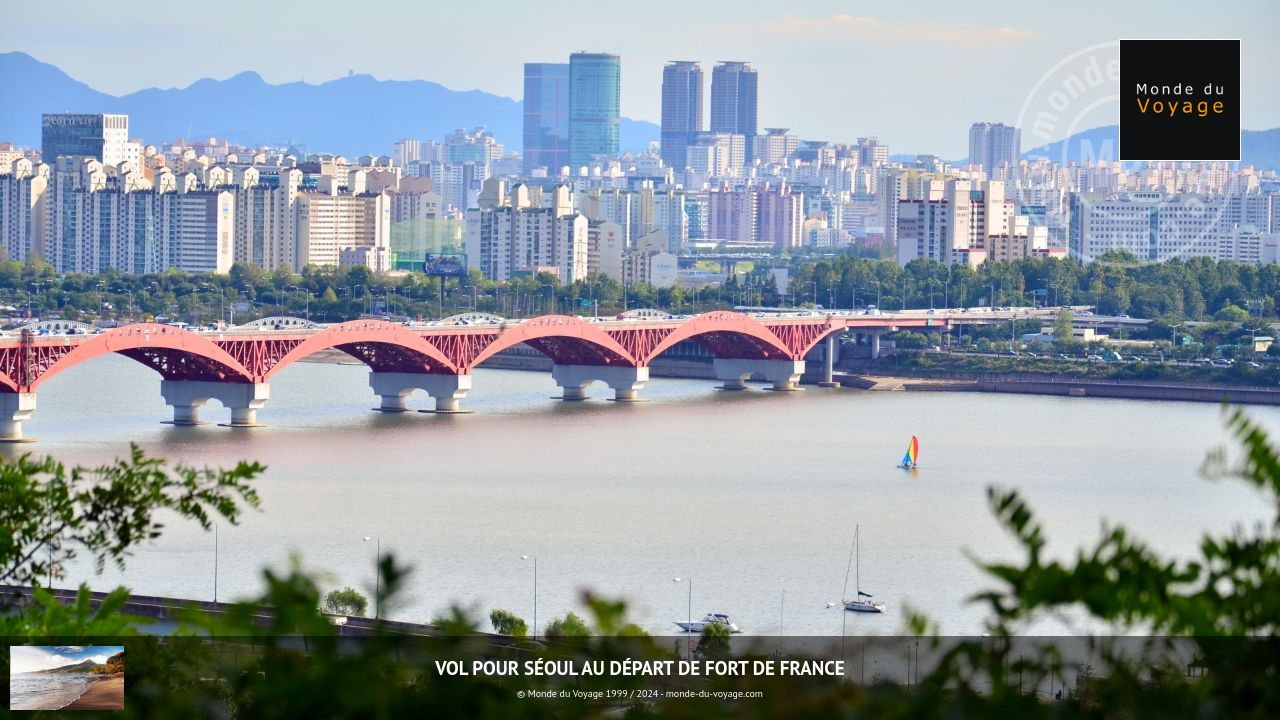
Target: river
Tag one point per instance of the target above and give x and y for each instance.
(752, 495)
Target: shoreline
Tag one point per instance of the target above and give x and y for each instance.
(105, 693)
(1021, 384)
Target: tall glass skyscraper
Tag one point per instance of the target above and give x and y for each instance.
(546, 116)
(734, 101)
(595, 82)
(681, 110)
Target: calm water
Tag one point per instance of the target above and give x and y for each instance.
(753, 495)
(30, 691)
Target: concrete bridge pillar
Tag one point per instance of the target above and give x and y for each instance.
(14, 409)
(734, 373)
(626, 381)
(829, 362)
(875, 345)
(188, 396)
(395, 387)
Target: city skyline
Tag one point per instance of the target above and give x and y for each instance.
(815, 61)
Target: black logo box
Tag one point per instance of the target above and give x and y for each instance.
(1185, 65)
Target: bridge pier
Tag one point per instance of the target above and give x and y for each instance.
(394, 388)
(734, 372)
(14, 409)
(875, 345)
(626, 381)
(188, 396)
(829, 362)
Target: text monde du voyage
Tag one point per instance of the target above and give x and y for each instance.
(1181, 99)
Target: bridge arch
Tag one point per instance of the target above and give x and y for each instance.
(382, 345)
(175, 353)
(566, 340)
(728, 335)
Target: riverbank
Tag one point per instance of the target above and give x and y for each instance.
(106, 693)
(889, 375)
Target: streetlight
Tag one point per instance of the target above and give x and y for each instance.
(689, 626)
(215, 562)
(815, 293)
(534, 558)
(377, 588)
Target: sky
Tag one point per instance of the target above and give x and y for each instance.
(25, 659)
(916, 74)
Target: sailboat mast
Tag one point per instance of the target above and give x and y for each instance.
(857, 578)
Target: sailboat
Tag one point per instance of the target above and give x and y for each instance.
(858, 603)
(913, 452)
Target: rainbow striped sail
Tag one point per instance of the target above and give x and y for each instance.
(913, 452)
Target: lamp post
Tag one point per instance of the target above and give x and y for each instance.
(215, 562)
(377, 588)
(534, 558)
(689, 626)
(815, 293)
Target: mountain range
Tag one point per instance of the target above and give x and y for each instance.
(353, 115)
(343, 115)
(82, 667)
(1259, 148)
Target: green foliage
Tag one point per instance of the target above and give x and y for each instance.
(1063, 325)
(1232, 314)
(347, 601)
(506, 622)
(570, 626)
(713, 643)
(49, 515)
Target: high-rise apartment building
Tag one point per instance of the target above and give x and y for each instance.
(1158, 226)
(22, 211)
(508, 233)
(595, 82)
(546, 117)
(681, 110)
(104, 138)
(994, 145)
(734, 102)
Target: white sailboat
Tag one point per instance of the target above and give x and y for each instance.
(861, 601)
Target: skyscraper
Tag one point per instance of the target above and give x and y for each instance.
(734, 88)
(681, 110)
(546, 116)
(991, 145)
(595, 81)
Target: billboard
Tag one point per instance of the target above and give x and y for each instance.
(445, 265)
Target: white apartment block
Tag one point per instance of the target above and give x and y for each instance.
(1159, 227)
(22, 208)
(328, 222)
(508, 234)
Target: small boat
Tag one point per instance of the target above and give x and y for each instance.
(858, 603)
(708, 619)
(913, 452)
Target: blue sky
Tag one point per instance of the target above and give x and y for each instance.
(916, 74)
(30, 658)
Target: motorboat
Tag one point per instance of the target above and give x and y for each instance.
(709, 619)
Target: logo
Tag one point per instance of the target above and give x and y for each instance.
(1180, 100)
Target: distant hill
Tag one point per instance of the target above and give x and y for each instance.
(85, 666)
(353, 115)
(1259, 148)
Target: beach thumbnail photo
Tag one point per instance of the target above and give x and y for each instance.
(66, 677)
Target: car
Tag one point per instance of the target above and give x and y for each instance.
(1253, 364)
(1031, 354)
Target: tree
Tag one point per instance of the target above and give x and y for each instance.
(571, 626)
(714, 641)
(1063, 325)
(49, 514)
(347, 601)
(1232, 313)
(506, 622)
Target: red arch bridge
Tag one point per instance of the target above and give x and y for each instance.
(235, 365)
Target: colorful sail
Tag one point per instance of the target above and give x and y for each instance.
(913, 452)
